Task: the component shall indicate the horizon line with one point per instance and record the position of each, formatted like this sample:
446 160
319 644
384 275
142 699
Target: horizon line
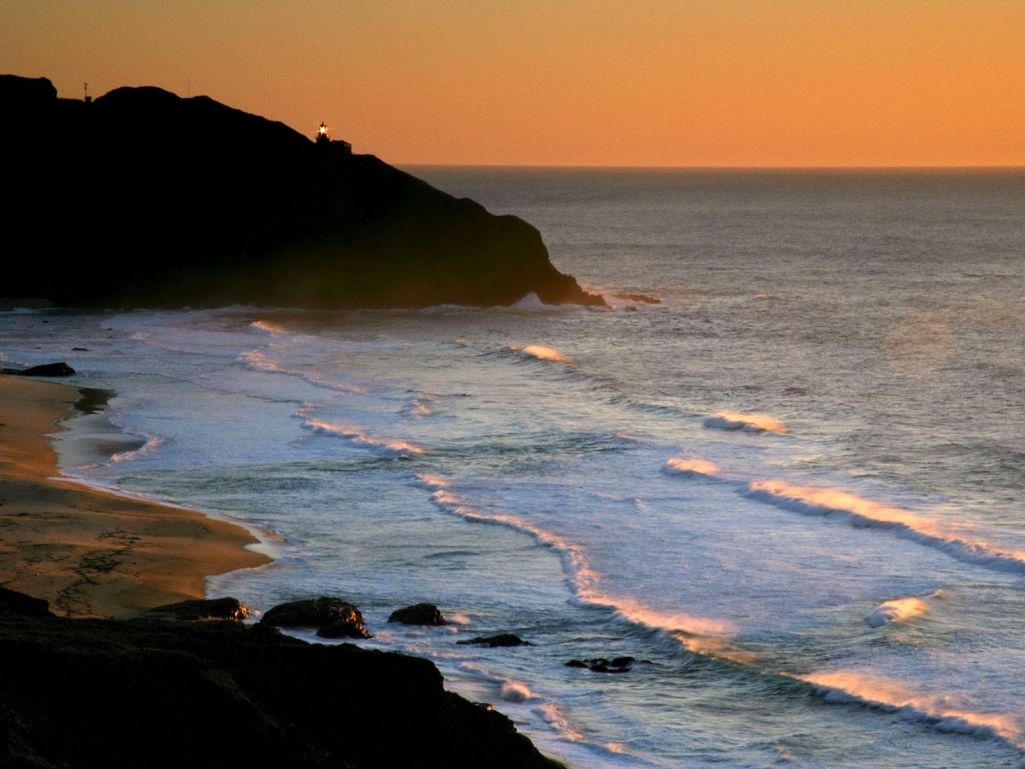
555 166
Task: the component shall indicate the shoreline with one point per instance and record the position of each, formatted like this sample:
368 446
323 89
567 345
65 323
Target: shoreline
95 553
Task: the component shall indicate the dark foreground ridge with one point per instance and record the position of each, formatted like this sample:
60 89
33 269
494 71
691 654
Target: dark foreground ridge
141 198
158 693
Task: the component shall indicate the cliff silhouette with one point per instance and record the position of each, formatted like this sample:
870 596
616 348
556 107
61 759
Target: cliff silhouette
141 198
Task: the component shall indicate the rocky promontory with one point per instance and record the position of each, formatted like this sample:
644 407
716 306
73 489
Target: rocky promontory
141 198
204 693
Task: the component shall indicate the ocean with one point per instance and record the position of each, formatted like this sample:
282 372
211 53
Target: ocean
783 471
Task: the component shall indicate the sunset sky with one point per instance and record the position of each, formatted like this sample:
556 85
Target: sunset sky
568 82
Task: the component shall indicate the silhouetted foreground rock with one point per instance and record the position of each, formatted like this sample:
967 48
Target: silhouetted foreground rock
202 609
149 693
142 198
44 369
333 617
418 614
502 639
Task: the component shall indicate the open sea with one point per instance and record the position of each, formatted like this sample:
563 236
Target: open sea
792 488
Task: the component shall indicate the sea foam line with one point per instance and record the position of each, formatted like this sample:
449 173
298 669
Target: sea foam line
393 446
811 500
939 711
260 361
701 635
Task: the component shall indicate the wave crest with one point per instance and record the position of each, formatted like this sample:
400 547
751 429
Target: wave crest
686 466
810 500
701 635
541 352
393 446
896 610
940 711
749 423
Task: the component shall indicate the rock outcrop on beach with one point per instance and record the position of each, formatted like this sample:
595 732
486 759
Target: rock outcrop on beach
142 198
418 614
152 693
332 617
43 370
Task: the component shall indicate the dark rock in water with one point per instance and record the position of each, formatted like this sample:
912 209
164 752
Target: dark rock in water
603 665
203 609
418 614
191 202
343 630
45 369
79 349
18 604
149 694
323 612
502 639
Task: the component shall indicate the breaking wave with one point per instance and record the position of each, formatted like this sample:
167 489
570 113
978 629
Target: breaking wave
260 361
268 326
810 500
940 711
390 446
515 691
150 444
419 405
749 423
700 635
554 717
896 610
540 352
686 466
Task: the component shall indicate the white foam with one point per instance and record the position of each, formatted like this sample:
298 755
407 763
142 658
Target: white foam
701 635
554 717
419 405
151 444
515 691
941 711
393 446
689 466
260 361
269 327
896 610
811 500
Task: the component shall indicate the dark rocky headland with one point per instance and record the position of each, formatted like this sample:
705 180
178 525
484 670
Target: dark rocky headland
141 198
153 692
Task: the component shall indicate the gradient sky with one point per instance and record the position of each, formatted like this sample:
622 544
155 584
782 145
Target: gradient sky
562 82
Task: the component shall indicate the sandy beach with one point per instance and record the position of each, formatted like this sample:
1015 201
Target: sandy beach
92 553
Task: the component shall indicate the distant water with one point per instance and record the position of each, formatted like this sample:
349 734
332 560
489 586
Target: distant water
792 488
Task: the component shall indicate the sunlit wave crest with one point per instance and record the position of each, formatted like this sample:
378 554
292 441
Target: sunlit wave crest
751 423
357 436
689 466
811 500
269 327
896 610
541 352
942 711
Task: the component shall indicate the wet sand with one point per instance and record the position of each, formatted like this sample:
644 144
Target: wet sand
93 553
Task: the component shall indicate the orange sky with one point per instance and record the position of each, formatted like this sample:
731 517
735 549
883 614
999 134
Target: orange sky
562 82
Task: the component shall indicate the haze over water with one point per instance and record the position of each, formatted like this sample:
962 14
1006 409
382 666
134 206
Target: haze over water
792 488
